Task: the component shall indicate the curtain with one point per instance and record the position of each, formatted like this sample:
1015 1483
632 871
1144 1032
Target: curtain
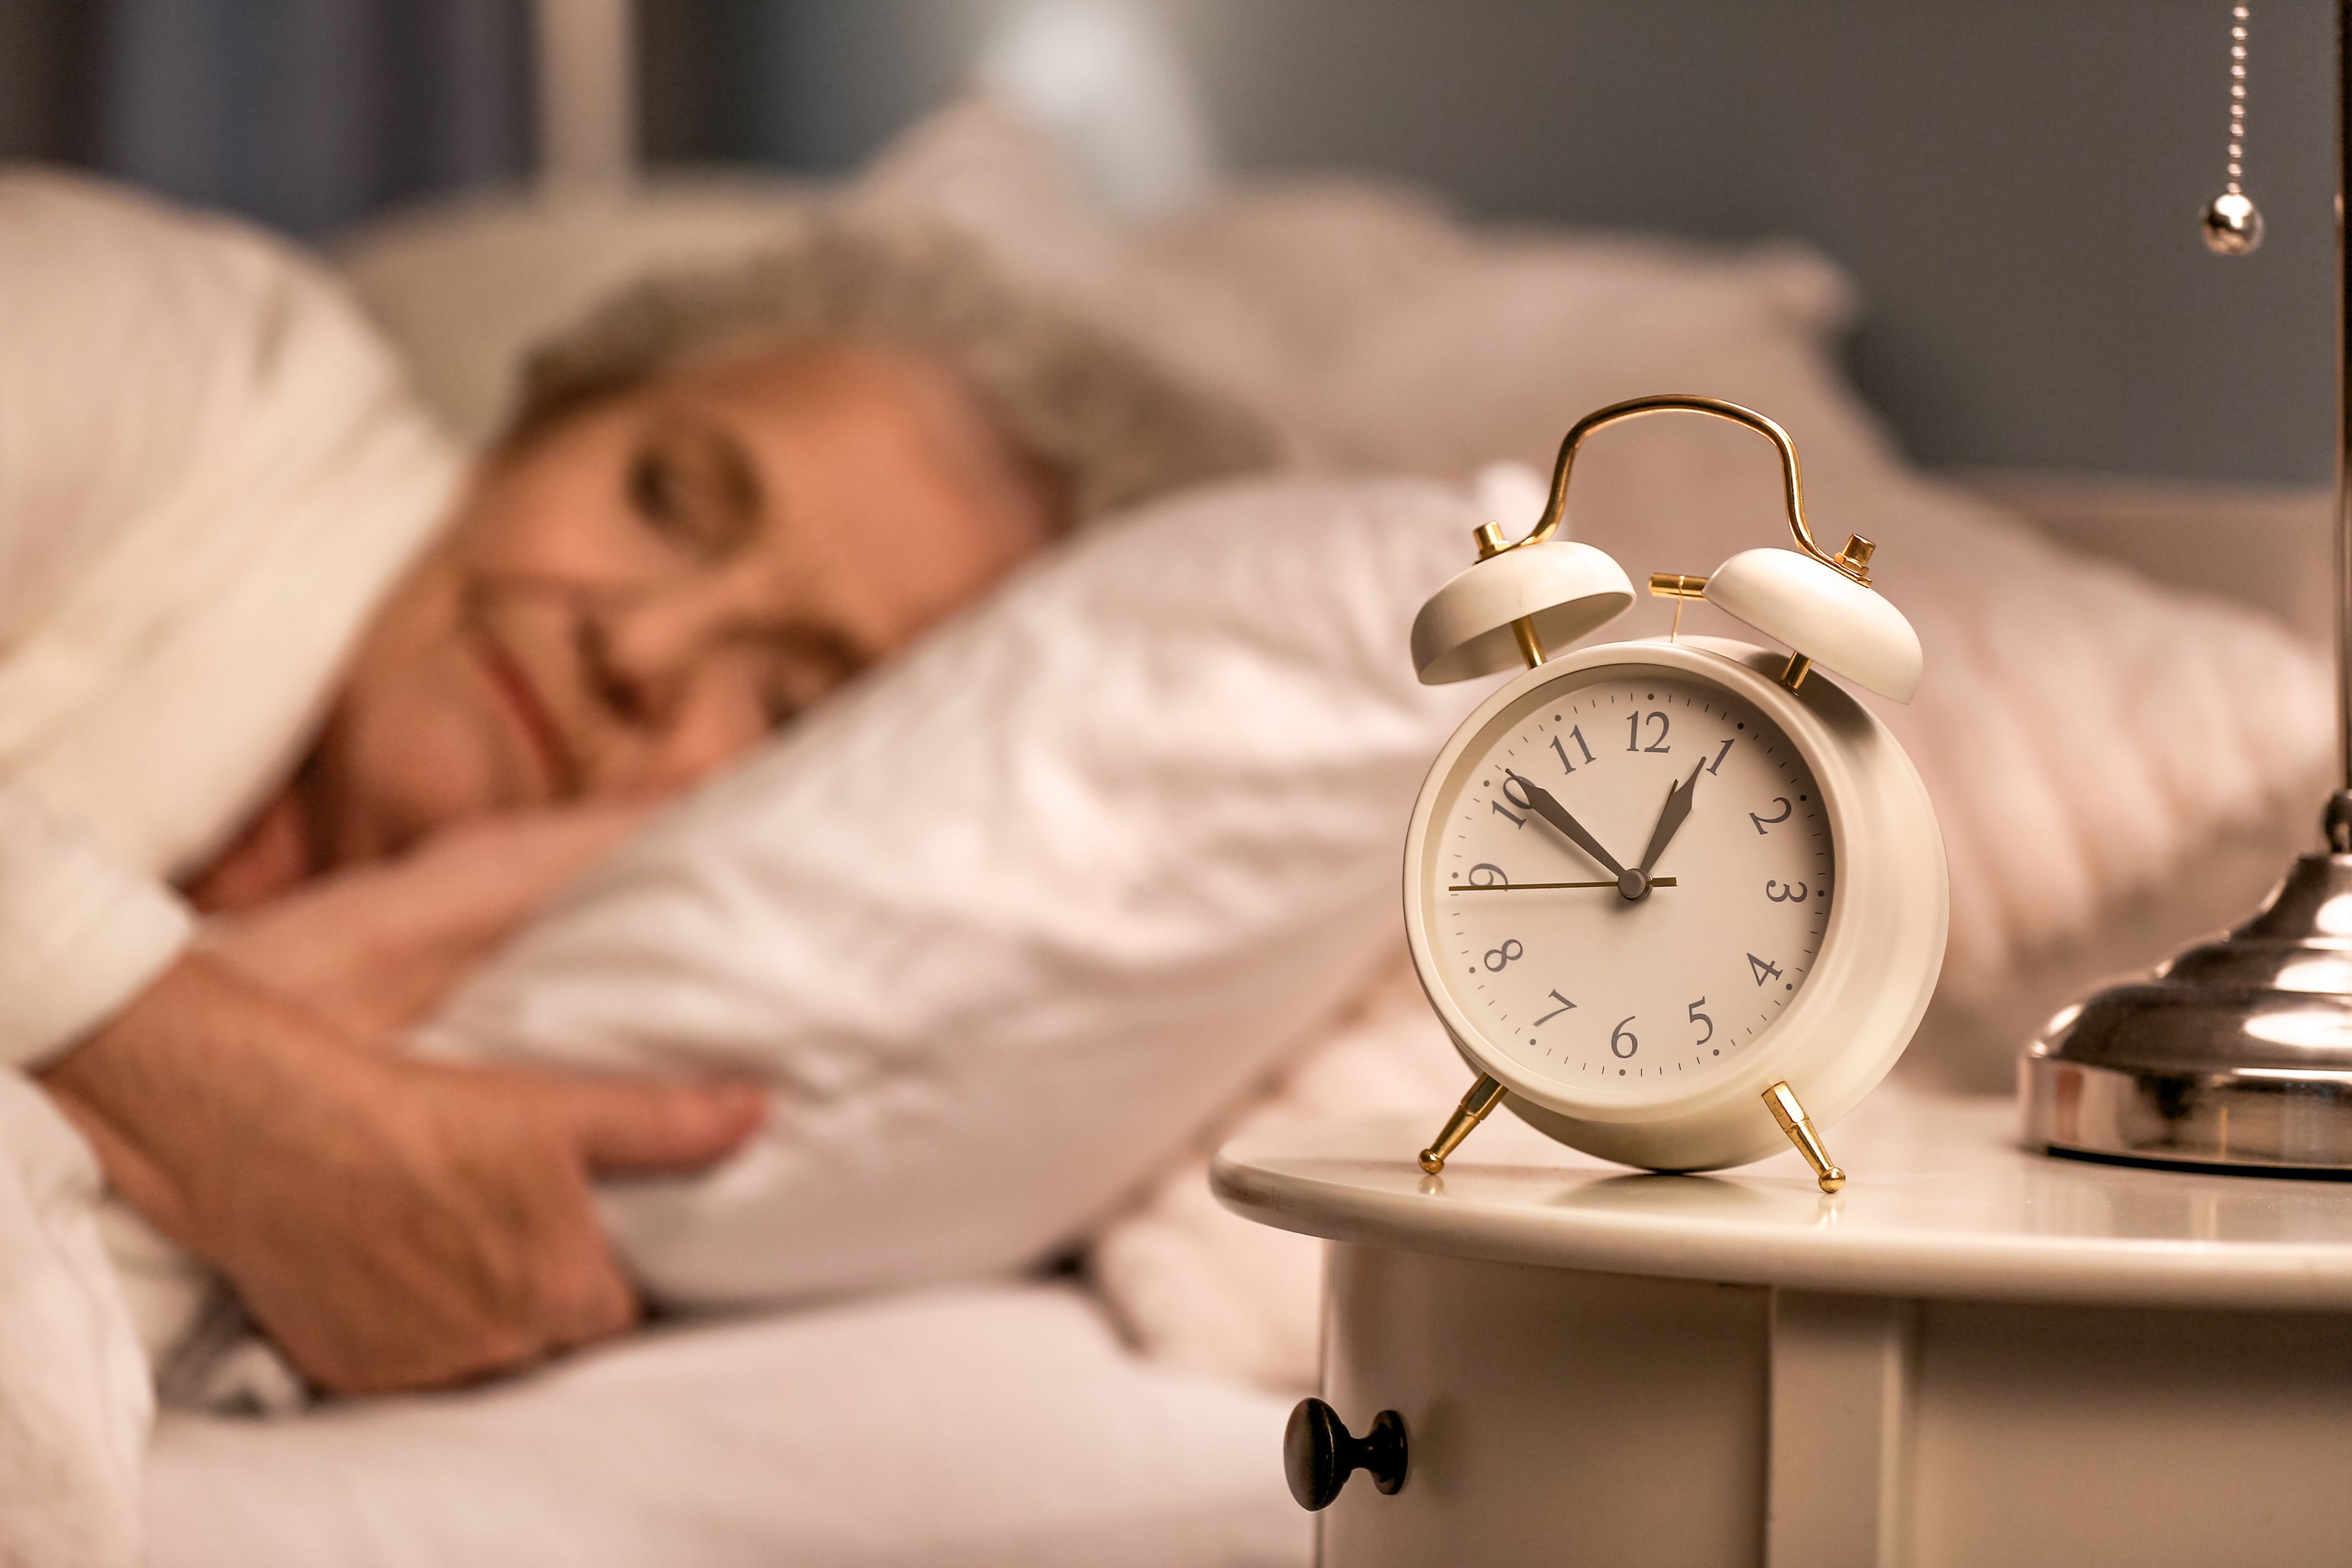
306 114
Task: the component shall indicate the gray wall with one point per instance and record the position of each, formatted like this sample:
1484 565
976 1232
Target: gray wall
2015 185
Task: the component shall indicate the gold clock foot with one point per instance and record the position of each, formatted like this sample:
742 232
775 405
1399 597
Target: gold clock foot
1484 1096
1782 1100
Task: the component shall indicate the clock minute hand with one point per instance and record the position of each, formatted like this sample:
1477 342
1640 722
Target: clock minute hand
1539 800
1670 820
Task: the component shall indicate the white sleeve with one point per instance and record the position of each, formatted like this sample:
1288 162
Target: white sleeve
81 932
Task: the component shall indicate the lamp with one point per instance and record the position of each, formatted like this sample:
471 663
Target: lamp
2237 1053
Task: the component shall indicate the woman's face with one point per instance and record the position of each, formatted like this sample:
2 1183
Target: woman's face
640 592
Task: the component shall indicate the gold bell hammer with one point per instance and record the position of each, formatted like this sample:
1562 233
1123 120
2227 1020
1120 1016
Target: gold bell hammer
1677 587
1782 1100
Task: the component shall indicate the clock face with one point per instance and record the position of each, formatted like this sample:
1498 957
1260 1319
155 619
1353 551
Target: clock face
1629 986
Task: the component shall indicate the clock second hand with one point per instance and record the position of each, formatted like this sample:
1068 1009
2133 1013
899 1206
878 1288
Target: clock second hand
1533 886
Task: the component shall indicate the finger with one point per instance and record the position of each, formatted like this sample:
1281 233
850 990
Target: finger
593 1301
579 1293
632 1129
540 842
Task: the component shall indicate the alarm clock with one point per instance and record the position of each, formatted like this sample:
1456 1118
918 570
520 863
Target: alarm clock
1676 900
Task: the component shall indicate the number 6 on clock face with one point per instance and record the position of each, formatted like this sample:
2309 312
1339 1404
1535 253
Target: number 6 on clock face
1636 939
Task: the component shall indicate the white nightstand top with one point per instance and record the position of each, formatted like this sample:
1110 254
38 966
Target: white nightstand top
1942 1201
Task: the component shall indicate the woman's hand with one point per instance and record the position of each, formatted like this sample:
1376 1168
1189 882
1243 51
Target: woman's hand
392 1225
373 947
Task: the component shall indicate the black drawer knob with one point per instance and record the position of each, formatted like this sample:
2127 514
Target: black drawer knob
1318 1454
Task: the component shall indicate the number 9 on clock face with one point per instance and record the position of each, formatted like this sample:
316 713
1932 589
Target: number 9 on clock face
1627 880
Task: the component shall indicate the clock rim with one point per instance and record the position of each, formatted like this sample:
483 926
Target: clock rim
1810 1043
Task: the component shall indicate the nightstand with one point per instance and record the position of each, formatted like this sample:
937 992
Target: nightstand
1974 1354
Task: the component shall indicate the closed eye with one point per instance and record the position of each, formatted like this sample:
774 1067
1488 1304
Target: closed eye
692 484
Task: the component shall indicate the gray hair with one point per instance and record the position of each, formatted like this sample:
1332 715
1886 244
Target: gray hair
1119 425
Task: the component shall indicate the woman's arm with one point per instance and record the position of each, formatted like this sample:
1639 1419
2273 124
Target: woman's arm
391 1224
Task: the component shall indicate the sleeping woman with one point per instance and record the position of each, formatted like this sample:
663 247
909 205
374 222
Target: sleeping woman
298 721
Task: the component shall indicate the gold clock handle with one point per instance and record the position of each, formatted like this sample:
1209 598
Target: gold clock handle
1484 1096
1782 1100
1854 561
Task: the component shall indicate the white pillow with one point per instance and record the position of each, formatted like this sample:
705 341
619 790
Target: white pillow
1005 926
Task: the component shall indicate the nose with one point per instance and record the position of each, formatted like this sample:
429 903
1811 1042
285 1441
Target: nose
639 651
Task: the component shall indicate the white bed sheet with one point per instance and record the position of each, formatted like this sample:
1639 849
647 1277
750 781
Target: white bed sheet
980 1426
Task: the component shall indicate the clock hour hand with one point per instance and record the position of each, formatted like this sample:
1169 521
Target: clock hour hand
1670 820
1631 884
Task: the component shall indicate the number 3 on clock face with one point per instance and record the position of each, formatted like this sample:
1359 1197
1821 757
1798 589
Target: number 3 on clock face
1646 881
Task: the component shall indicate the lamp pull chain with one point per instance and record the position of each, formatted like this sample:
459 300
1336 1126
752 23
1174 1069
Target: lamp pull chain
2233 225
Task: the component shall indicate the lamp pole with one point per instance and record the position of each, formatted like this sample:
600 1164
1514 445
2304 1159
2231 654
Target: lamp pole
2339 811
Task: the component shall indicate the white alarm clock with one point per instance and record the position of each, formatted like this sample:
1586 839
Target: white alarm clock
1672 900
